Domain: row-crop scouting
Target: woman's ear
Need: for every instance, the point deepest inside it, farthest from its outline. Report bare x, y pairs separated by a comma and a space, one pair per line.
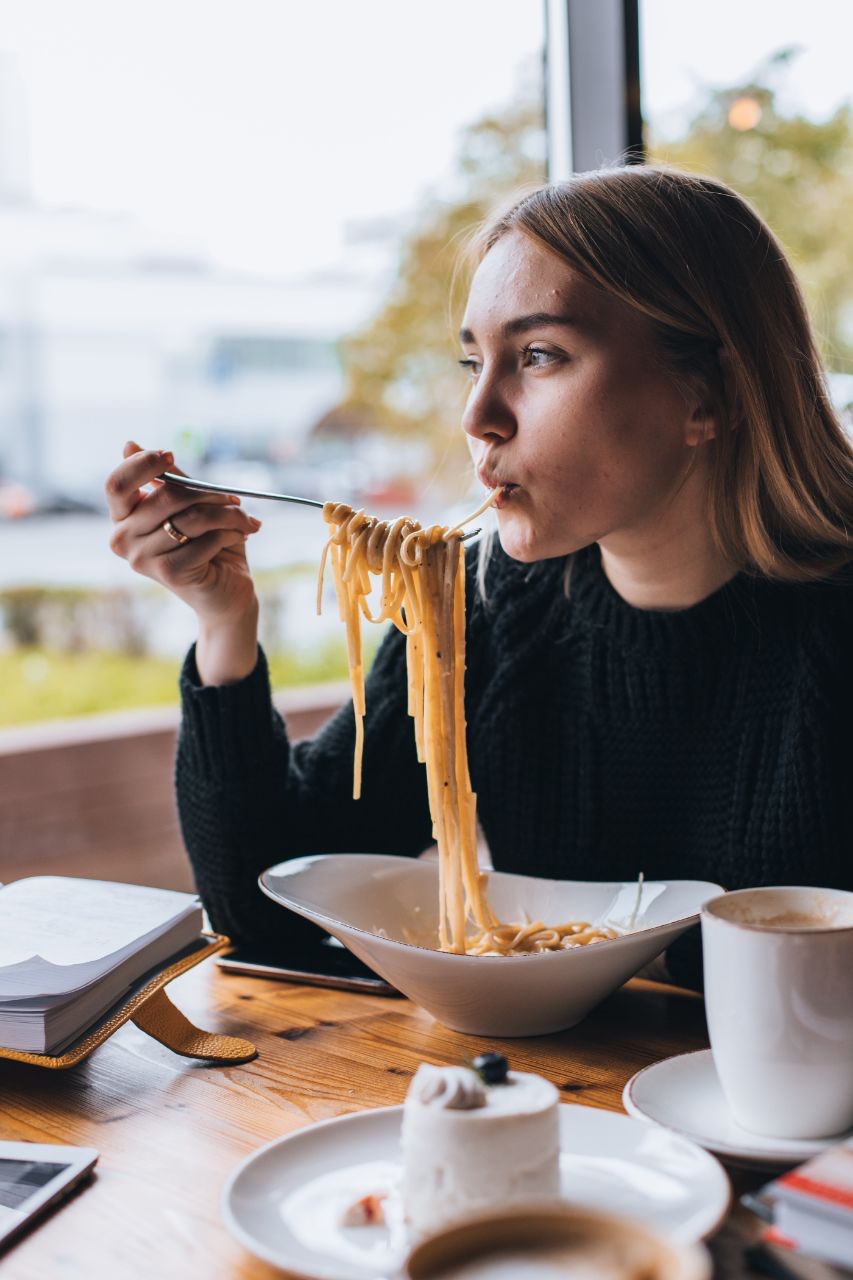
702, 423
701, 426
715, 403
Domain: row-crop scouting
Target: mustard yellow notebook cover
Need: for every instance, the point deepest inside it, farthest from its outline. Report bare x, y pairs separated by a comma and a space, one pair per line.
149, 1008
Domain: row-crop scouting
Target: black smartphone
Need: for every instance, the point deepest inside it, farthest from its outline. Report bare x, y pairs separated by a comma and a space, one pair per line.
324, 963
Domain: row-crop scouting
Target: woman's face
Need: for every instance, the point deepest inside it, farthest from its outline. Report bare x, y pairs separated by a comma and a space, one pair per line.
570, 402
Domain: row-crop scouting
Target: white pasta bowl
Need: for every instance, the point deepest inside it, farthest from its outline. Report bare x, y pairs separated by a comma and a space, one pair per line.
385, 910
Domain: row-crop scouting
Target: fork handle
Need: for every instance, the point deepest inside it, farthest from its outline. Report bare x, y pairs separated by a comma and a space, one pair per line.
206, 486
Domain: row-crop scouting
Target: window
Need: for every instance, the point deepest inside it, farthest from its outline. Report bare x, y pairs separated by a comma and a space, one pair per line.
219, 232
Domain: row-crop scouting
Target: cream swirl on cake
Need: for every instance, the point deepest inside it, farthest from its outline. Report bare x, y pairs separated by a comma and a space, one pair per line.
470, 1145
454, 1088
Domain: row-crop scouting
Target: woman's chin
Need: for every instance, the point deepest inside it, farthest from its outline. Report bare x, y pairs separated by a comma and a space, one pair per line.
520, 544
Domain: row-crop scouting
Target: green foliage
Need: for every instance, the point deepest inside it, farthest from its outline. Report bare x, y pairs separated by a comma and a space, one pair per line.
72, 619
77, 651
46, 684
43, 684
325, 663
798, 173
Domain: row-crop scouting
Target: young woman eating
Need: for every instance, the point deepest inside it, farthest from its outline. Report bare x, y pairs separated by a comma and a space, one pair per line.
658, 674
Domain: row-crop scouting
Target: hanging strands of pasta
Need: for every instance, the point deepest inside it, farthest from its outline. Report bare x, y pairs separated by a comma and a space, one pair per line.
422, 591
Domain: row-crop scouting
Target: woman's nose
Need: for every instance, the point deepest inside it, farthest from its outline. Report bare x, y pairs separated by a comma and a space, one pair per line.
487, 414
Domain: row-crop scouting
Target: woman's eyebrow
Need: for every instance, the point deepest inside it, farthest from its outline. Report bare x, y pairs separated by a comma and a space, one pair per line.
523, 324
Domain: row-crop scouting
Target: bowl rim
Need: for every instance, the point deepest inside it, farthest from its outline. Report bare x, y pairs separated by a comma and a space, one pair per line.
401, 859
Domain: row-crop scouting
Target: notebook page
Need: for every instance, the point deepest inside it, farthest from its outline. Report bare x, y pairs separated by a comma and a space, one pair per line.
58, 933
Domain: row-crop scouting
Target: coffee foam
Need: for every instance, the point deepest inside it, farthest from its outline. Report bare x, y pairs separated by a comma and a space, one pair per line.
786, 909
790, 920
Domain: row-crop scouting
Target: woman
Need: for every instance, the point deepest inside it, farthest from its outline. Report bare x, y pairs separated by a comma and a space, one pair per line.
657, 675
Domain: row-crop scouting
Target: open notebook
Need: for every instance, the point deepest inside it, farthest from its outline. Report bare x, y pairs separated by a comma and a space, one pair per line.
70, 948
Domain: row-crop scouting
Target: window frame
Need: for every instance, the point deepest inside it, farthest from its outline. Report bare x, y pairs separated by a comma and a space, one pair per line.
592, 85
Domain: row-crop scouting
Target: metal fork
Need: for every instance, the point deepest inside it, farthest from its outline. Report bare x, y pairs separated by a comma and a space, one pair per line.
207, 486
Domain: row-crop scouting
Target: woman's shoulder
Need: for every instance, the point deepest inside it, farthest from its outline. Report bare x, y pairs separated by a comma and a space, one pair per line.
827, 599
815, 619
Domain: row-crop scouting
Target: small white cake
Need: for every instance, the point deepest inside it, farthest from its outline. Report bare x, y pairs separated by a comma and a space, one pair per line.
470, 1146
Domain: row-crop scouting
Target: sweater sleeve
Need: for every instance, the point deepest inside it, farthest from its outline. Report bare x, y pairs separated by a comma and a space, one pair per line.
248, 797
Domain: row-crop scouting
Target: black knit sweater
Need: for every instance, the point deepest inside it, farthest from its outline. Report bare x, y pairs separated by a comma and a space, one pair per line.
712, 743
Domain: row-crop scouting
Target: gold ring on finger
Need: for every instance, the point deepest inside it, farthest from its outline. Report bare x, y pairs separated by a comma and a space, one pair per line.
168, 526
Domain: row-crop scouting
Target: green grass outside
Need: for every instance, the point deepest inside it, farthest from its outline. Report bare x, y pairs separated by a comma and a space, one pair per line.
40, 684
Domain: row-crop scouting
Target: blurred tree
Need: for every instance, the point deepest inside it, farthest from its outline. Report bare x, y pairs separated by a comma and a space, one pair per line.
401, 371
798, 173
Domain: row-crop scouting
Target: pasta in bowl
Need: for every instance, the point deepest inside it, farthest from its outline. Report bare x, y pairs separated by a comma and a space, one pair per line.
385, 909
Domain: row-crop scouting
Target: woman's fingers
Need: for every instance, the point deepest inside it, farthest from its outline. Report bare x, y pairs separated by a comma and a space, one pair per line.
205, 552
202, 518
132, 447
124, 485
168, 500
141, 543
139, 502
190, 564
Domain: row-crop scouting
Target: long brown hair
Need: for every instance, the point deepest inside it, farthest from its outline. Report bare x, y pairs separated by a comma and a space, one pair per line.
707, 271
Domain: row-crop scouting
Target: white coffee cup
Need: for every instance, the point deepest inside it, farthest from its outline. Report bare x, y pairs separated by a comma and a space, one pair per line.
779, 1002
556, 1239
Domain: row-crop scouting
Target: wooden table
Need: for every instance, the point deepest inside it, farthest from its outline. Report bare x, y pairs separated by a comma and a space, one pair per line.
170, 1131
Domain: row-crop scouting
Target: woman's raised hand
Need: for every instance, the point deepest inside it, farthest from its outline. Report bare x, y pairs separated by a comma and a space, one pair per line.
202, 560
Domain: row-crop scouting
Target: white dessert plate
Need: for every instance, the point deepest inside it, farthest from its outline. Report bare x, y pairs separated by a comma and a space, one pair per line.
284, 1202
385, 909
684, 1094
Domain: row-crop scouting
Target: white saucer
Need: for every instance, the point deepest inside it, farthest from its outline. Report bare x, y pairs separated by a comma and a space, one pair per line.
684, 1094
284, 1202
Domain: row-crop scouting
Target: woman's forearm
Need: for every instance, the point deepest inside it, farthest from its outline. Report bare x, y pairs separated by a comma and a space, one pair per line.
248, 799
227, 650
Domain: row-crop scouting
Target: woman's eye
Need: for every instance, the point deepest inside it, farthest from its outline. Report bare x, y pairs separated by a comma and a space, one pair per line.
531, 358
537, 358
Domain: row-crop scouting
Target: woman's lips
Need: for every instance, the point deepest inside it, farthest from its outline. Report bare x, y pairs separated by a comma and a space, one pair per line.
506, 488
507, 491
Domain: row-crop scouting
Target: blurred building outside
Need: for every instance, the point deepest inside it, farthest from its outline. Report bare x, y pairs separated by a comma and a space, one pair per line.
107, 334
109, 330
